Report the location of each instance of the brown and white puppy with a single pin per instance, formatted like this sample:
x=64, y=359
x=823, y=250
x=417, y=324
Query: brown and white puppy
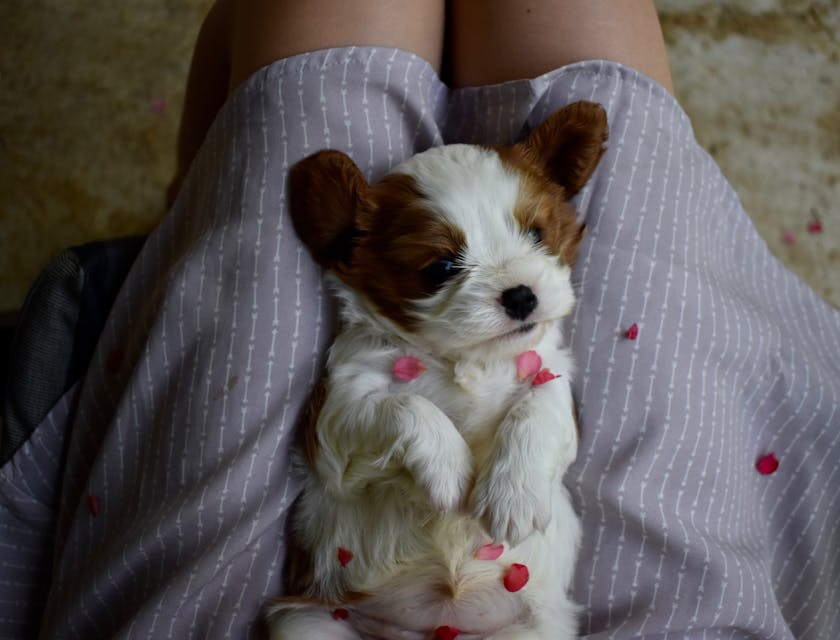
x=434, y=506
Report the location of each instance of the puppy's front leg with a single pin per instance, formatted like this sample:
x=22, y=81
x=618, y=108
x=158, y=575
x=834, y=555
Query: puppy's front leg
x=534, y=446
x=380, y=434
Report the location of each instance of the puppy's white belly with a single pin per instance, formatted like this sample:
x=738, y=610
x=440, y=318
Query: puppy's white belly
x=439, y=582
x=479, y=604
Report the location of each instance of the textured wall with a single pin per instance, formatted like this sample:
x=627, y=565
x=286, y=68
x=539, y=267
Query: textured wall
x=90, y=95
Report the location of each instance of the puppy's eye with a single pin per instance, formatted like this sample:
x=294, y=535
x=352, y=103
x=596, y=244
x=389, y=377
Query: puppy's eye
x=441, y=270
x=534, y=235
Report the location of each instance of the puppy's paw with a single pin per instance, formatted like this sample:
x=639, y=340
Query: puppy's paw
x=511, y=503
x=437, y=456
x=445, y=476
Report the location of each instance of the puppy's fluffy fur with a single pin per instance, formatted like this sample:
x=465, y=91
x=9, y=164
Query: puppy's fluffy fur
x=459, y=259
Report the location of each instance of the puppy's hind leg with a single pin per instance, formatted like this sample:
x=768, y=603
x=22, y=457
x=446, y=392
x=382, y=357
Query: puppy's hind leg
x=517, y=633
x=310, y=623
x=555, y=623
x=530, y=633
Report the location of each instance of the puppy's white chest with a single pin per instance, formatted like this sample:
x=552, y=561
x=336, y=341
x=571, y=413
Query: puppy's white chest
x=475, y=396
x=474, y=378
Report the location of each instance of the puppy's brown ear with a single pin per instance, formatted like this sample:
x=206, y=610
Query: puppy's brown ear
x=569, y=144
x=328, y=195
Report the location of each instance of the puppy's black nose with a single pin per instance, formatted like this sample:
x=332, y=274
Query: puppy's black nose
x=519, y=302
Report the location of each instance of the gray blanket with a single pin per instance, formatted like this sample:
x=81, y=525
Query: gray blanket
x=151, y=501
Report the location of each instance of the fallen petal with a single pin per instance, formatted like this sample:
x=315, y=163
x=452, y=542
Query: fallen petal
x=767, y=464
x=93, y=505
x=114, y=360
x=489, y=551
x=542, y=377
x=632, y=332
x=527, y=364
x=446, y=633
x=516, y=577
x=340, y=614
x=344, y=556
x=407, y=368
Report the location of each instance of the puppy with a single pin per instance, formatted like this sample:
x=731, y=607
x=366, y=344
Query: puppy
x=434, y=506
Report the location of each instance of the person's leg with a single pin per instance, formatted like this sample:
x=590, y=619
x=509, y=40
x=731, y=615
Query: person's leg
x=499, y=40
x=207, y=89
x=229, y=317
x=267, y=30
x=237, y=38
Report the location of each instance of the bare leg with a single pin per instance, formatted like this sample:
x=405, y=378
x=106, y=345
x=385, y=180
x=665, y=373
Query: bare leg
x=500, y=40
x=207, y=88
x=239, y=37
x=267, y=30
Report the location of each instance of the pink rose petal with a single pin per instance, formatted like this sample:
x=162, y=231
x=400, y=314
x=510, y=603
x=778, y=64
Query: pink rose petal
x=516, y=577
x=788, y=238
x=767, y=464
x=543, y=376
x=344, y=556
x=815, y=226
x=632, y=332
x=407, y=368
x=527, y=364
x=489, y=551
x=340, y=614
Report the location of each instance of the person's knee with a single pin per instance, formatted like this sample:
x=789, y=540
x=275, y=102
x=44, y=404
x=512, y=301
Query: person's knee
x=501, y=40
x=268, y=30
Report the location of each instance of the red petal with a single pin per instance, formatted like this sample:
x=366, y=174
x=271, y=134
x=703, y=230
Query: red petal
x=767, y=464
x=632, y=332
x=93, y=505
x=489, y=551
x=542, y=377
x=340, y=614
x=344, y=556
x=815, y=226
x=446, y=633
x=114, y=360
x=527, y=364
x=788, y=238
x=407, y=368
x=516, y=578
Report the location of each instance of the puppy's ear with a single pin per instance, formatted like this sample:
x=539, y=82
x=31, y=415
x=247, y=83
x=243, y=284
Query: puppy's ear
x=328, y=196
x=569, y=144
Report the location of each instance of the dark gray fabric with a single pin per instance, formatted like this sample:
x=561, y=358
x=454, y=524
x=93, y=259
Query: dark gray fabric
x=57, y=331
x=41, y=349
x=177, y=481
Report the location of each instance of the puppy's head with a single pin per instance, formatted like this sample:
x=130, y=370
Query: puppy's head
x=469, y=249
